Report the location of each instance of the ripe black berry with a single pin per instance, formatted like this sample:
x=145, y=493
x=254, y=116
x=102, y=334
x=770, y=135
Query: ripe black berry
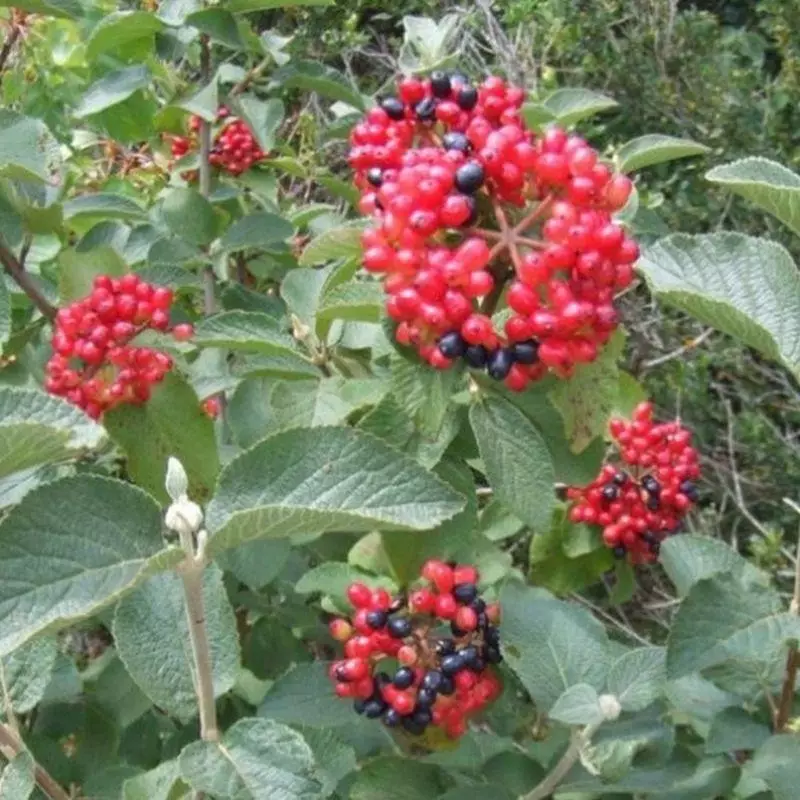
x=452, y=664
x=466, y=593
x=391, y=718
x=440, y=84
x=375, y=176
x=422, y=717
x=619, y=551
x=448, y=686
x=403, y=678
x=610, y=492
x=400, y=627
x=414, y=727
x=425, y=698
x=478, y=605
x=426, y=109
x=452, y=345
x=651, y=484
x=432, y=680
x=500, y=363
x=620, y=478
x=690, y=490
x=526, y=352
x=374, y=709
x=469, y=656
x=377, y=619
x=467, y=98
x=456, y=141
x=394, y=108
x=653, y=502
x=476, y=356
x=469, y=177
x=492, y=635
x=493, y=655
x=445, y=647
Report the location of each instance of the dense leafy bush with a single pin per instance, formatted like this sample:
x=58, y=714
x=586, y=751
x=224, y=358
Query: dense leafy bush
x=238, y=469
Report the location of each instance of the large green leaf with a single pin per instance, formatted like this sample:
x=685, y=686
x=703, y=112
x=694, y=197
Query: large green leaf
x=777, y=764
x=157, y=784
x=171, y=423
x=103, y=205
x=550, y=644
x=389, y=778
x=70, y=548
x=190, y=216
x=37, y=428
x=257, y=759
x=734, y=729
x=587, y=399
x=340, y=242
x=112, y=89
x=311, y=76
x=27, y=671
x=569, y=106
x=246, y=6
x=645, y=151
x=247, y=331
x=332, y=579
x=66, y=9
x=29, y=152
x=220, y=26
x=120, y=28
x=746, y=287
x=578, y=705
x=256, y=231
x=723, y=619
x=638, y=677
x=310, y=480
x=361, y=301
x=18, y=778
x=517, y=461
x=690, y=558
x=78, y=269
x=765, y=183
x=263, y=117
x=152, y=638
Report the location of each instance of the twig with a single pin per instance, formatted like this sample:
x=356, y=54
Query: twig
x=209, y=282
x=8, y=46
x=17, y=272
x=8, y=706
x=241, y=268
x=11, y=747
x=784, y=711
x=256, y=72
x=696, y=342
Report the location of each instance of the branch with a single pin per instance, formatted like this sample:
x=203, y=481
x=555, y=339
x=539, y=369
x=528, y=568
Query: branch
x=11, y=747
x=256, y=72
x=784, y=711
x=8, y=46
x=17, y=272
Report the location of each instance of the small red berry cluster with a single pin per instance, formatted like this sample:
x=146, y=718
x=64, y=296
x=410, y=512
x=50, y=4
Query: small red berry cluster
x=440, y=676
x=234, y=149
x=94, y=365
x=642, y=498
x=447, y=171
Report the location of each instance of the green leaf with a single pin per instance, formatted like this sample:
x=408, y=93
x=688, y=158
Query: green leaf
x=320, y=479
x=714, y=777
x=777, y=764
x=189, y=216
x=638, y=677
x=27, y=671
x=204, y=103
x=171, y=423
x=578, y=705
x=110, y=531
x=64, y=9
x=29, y=152
x=257, y=563
x=263, y=117
x=389, y=778
x=550, y=644
x=765, y=183
x=152, y=637
x=537, y=116
x=587, y=399
x=37, y=428
x=112, y=89
x=334, y=758
x=341, y=242
x=303, y=696
x=361, y=301
x=518, y=463
x=103, y=205
x=220, y=26
x=246, y=6
x=257, y=759
x=246, y=331
x=256, y=231
x=723, y=619
x=174, y=12
x=748, y=288
x=18, y=778
x=333, y=578
x=120, y=28
x=77, y=270
x=569, y=106
x=157, y=784
x=645, y=151
x=734, y=729
x=690, y=558
x=311, y=76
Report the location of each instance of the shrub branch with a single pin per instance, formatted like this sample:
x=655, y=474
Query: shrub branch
x=16, y=269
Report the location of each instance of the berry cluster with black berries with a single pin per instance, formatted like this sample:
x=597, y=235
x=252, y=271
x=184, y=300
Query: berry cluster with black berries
x=642, y=497
x=94, y=365
x=421, y=659
x=234, y=148
x=471, y=208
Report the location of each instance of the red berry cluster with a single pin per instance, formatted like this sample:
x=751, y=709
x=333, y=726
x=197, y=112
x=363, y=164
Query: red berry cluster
x=439, y=677
x=447, y=171
x=234, y=149
x=93, y=365
x=642, y=498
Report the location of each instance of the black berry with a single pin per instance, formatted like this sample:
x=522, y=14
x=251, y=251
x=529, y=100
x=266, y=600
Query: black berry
x=526, y=352
x=466, y=593
x=610, y=492
x=476, y=356
x=425, y=698
x=619, y=552
x=426, y=109
x=500, y=363
x=375, y=176
x=374, y=709
x=403, y=678
x=452, y=345
x=493, y=655
x=456, y=141
x=400, y=627
x=467, y=98
x=452, y=664
x=394, y=108
x=448, y=686
x=432, y=680
x=377, y=619
x=440, y=84
x=470, y=177
x=445, y=647
x=391, y=718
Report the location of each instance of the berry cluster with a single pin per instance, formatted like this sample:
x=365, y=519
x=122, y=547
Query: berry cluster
x=234, y=148
x=642, y=498
x=440, y=676
x=465, y=199
x=94, y=365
